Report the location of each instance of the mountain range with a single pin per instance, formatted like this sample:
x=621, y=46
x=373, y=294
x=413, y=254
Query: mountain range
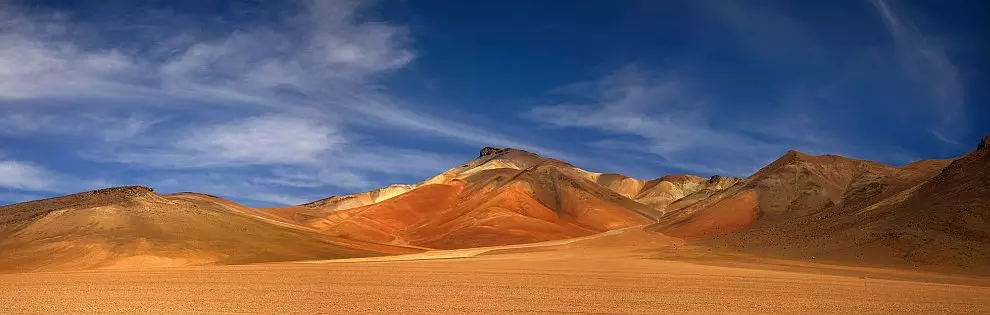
x=933, y=214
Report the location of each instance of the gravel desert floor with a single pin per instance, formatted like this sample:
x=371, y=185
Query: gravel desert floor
x=528, y=280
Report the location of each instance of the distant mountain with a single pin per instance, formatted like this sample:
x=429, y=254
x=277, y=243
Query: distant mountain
x=666, y=193
x=932, y=213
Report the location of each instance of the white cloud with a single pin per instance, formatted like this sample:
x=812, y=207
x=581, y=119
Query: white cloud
x=295, y=151
x=106, y=127
x=301, y=152
x=39, y=58
x=281, y=104
x=384, y=110
x=36, y=60
x=321, y=177
x=261, y=140
x=116, y=129
x=26, y=176
x=350, y=168
x=325, y=58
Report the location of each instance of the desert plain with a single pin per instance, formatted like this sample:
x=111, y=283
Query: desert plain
x=615, y=273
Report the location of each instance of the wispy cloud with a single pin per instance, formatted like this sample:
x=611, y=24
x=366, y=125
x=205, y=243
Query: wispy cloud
x=238, y=186
x=666, y=119
x=314, y=178
x=324, y=58
x=102, y=127
x=926, y=61
x=35, y=61
x=285, y=101
x=260, y=140
x=382, y=109
x=39, y=58
x=301, y=151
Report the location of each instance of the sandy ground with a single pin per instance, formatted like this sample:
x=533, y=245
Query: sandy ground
x=477, y=286
x=579, y=277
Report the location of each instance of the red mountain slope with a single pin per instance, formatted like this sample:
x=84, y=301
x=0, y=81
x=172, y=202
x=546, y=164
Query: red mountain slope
x=505, y=196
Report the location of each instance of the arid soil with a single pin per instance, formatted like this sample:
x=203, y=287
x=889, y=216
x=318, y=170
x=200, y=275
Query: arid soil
x=614, y=274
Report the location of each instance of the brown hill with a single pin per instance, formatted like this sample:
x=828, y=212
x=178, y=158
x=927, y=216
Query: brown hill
x=931, y=214
x=134, y=227
x=505, y=196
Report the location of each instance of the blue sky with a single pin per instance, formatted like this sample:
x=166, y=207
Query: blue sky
x=287, y=102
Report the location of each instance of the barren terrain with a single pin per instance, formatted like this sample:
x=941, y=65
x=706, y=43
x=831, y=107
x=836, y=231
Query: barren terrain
x=618, y=273
x=513, y=232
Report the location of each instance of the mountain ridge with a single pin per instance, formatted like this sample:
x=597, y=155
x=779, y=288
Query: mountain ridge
x=507, y=188
x=847, y=210
x=929, y=213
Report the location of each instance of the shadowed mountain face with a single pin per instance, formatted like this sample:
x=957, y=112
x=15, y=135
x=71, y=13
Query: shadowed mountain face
x=133, y=227
x=933, y=214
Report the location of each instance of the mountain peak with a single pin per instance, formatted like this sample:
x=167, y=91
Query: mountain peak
x=486, y=151
x=790, y=157
x=984, y=142
x=794, y=154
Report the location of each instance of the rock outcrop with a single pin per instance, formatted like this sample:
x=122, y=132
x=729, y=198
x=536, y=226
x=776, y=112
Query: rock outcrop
x=486, y=151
